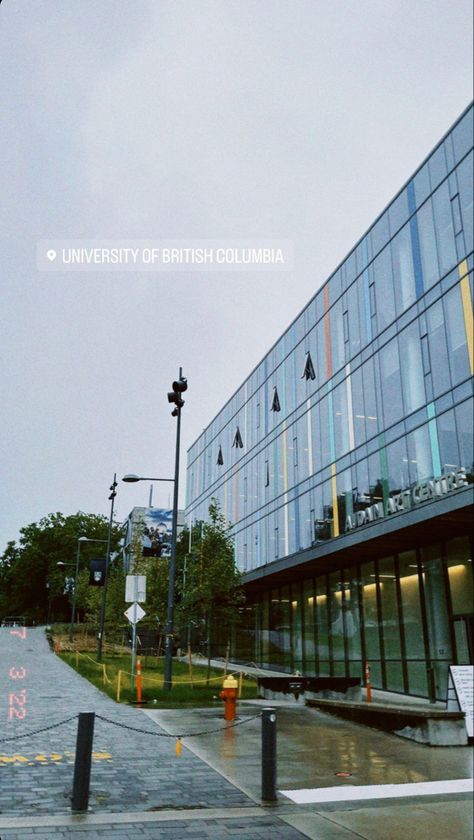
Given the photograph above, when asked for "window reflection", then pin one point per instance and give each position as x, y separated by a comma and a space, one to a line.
391, 383
403, 272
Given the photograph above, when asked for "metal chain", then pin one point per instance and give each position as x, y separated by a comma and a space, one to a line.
38, 731
131, 728
170, 735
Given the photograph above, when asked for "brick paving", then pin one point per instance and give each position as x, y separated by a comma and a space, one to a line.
142, 774
257, 828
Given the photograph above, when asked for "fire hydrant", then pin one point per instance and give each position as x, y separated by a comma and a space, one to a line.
229, 696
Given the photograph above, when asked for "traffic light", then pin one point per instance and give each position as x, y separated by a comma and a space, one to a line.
175, 397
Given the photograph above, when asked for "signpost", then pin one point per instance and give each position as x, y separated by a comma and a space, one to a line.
460, 694
134, 614
135, 589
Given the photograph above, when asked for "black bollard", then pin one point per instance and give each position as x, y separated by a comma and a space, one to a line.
82, 764
269, 755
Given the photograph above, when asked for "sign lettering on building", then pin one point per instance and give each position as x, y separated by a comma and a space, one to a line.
435, 488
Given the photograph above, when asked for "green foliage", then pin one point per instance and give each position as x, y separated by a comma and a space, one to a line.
212, 586
32, 584
208, 586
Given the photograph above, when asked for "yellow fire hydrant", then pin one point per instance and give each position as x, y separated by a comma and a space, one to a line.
229, 696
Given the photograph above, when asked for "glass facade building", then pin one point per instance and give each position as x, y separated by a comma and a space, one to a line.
345, 460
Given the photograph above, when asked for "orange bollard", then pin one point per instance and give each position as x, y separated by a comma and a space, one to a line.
139, 680
367, 682
229, 695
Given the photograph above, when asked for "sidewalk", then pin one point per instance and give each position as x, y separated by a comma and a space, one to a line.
139, 789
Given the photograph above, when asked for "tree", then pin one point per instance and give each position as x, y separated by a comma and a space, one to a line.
211, 591
32, 584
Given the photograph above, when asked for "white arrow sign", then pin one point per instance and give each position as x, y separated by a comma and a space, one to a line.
134, 613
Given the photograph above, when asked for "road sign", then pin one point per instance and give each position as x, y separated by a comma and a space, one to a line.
134, 613
135, 588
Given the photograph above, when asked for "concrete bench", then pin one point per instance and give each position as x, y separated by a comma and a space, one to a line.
432, 726
301, 689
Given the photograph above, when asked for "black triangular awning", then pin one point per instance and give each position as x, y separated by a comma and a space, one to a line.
308, 372
220, 459
238, 442
275, 401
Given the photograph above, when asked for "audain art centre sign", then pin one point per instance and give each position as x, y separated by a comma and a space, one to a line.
425, 491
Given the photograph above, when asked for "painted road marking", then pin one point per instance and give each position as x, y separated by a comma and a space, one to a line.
355, 792
50, 758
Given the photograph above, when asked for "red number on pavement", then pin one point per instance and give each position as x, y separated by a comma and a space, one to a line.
17, 673
21, 633
17, 700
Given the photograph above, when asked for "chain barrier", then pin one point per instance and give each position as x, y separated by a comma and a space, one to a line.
38, 731
132, 729
185, 735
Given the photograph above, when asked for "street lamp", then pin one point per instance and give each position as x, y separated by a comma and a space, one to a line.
62, 565
131, 478
175, 396
179, 386
112, 496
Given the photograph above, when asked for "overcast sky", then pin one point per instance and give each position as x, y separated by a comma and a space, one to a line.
217, 119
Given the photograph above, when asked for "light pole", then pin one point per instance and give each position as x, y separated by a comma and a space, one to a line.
76, 575
106, 576
131, 478
174, 396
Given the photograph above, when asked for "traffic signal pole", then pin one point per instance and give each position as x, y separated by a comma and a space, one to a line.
173, 397
106, 576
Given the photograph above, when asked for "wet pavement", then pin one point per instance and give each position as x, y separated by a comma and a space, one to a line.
141, 791
312, 748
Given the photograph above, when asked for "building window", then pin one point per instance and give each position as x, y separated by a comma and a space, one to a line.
412, 624
373, 307
456, 211
220, 459
457, 348
391, 383
345, 319
411, 368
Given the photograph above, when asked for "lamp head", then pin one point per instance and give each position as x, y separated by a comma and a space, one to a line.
131, 477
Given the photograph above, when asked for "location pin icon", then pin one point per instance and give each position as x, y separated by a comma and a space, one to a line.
51, 255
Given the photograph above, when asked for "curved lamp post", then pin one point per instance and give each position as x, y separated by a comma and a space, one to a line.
76, 574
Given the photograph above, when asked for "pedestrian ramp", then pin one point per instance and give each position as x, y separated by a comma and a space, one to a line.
354, 793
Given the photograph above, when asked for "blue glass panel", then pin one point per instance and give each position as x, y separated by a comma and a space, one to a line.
381, 272
411, 368
428, 250
437, 167
419, 455
403, 270
456, 336
398, 212
464, 417
391, 383
448, 442
466, 192
444, 229
380, 234
462, 136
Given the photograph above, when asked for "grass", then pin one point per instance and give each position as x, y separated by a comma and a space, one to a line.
184, 692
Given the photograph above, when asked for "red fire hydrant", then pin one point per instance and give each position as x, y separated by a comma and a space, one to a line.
229, 696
